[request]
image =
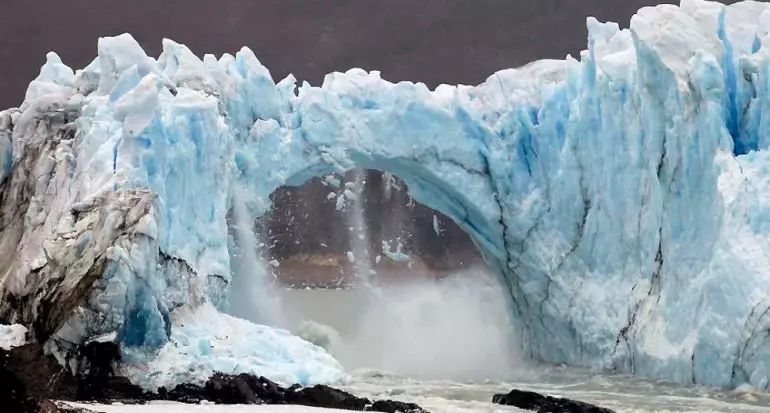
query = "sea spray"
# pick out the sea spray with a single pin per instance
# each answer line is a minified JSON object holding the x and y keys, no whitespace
{"x":456,"y":328}
{"x":253,"y":294}
{"x":359,"y":232}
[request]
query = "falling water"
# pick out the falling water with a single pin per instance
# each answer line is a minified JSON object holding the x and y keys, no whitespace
{"x":396,"y":199}
{"x":252,"y":290}
{"x":359,"y":234}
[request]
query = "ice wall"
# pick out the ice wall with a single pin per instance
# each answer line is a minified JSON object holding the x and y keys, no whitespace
{"x":621,"y":197}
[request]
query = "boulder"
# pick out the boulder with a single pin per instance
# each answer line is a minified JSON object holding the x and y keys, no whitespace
{"x":328,"y":397}
{"x":537,"y":402}
{"x":246,"y":389}
{"x":392,"y":406}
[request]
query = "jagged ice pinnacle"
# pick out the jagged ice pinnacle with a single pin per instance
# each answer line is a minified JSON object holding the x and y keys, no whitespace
{"x":623,"y":198}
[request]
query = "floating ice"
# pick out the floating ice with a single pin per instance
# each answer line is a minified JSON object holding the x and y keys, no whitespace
{"x":622,"y":198}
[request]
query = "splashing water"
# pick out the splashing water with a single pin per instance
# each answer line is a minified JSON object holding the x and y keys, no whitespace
{"x":253,"y":295}
{"x":445,"y":345}
{"x":455,"y":328}
{"x":359,"y":233}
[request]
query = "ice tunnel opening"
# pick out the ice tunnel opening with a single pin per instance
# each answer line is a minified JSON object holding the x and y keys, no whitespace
{"x":382,"y":281}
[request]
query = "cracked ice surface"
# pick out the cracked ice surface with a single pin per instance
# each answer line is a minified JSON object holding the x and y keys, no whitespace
{"x":621,"y":196}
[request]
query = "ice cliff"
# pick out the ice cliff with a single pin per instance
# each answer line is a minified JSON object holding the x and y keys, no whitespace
{"x":624,"y":198}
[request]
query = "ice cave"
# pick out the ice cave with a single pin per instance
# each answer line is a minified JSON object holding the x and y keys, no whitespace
{"x":620,"y":196}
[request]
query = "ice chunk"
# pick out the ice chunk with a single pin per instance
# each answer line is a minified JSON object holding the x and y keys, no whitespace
{"x":340,"y":204}
{"x":12,"y":336}
{"x":332,"y":180}
{"x":436,"y":228}
{"x":397,"y":255}
{"x":55,"y":78}
{"x":205,"y":341}
{"x":104,"y":338}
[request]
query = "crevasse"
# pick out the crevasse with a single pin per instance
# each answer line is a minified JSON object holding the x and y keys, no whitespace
{"x":623,"y":198}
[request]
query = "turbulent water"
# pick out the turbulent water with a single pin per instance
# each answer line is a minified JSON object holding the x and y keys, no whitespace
{"x":622,"y":393}
{"x":445,"y":345}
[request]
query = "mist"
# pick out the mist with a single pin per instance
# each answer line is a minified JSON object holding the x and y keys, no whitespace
{"x":456,"y":328}
{"x":252,"y":294}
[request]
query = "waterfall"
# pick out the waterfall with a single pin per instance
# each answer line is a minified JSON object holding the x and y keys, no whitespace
{"x":253,"y":295}
{"x":359,"y":233}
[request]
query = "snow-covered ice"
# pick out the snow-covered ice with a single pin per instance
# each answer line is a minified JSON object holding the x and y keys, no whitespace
{"x":205,"y":341}
{"x":620,"y":197}
{"x":12,"y":336}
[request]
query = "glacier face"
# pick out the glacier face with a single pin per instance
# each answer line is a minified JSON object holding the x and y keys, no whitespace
{"x":620,"y":197}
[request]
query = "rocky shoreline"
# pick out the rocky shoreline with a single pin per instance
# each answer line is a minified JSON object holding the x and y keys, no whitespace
{"x":539,"y":403}
{"x":33,"y":382}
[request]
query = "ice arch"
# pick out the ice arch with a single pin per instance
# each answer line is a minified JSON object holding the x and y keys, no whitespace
{"x":414,"y":140}
{"x":605,"y":191}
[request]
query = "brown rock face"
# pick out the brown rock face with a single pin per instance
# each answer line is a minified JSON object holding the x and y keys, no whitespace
{"x":309,"y":237}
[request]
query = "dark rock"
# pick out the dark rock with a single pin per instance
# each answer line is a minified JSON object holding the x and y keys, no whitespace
{"x":119,"y":389}
{"x":328,"y":397}
{"x":391,"y":406}
{"x":33,"y":378}
{"x":49,"y":406}
{"x":41,"y":376}
{"x":29,"y":380}
{"x":13,"y":392}
{"x":545,"y":404}
{"x":246,"y":389}
{"x":226,"y":389}
{"x":97,"y":380}
{"x":184,"y":393}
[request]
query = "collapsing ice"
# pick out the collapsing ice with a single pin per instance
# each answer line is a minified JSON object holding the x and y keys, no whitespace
{"x":621,"y":198}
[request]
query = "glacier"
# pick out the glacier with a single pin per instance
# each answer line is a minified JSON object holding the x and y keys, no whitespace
{"x":623,"y":198}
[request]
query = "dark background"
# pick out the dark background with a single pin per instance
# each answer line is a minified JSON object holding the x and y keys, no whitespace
{"x":433,"y":41}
